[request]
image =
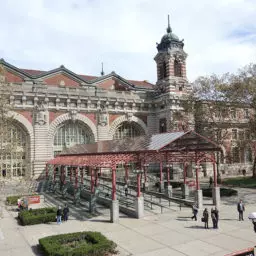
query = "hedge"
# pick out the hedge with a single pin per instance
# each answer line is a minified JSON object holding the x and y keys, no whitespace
{"x":76,"y":244}
{"x":12,"y":200}
{"x":223,"y":192}
{"x":37,"y":216}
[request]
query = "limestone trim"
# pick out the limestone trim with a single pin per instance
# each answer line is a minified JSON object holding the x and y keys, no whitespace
{"x":122,"y":119}
{"x":65,"y":117}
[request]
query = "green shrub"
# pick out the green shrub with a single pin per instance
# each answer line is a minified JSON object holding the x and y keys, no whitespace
{"x":37,"y":216}
{"x":246,"y":182}
{"x":76,"y":244}
{"x":12,"y":200}
{"x":174,"y":184}
{"x":223,"y":192}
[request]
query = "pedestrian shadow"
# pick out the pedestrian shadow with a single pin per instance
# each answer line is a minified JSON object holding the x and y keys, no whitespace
{"x":99,"y":220}
{"x":183,"y":218}
{"x":196,"y":227}
{"x":37,"y":250}
{"x":228,"y":219}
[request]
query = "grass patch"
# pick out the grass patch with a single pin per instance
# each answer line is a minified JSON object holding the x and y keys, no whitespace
{"x":76,"y":244}
{"x":223,"y":192}
{"x":245,"y":182}
{"x":37,"y":216}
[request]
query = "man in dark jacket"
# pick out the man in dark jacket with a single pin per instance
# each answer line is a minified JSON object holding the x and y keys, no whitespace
{"x":240,"y":209}
{"x":65,"y":212}
{"x":206,"y":218}
{"x":216,"y":212}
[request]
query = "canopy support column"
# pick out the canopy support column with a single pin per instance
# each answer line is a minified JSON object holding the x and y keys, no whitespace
{"x":114,"y":183}
{"x":114,"y":211}
{"x":82,"y":175}
{"x":92,"y":179}
{"x":76,"y":177}
{"x":96,"y":177}
{"x":71,"y":170}
{"x":138,"y":184}
{"x":169,"y":187}
{"x":161,"y":185}
{"x":54,"y":173}
{"x":46,"y":171}
{"x":185,"y":189}
{"x":145,"y":167}
{"x":126,"y":173}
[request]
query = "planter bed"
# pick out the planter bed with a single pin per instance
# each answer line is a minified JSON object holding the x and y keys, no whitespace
{"x":80,"y":243}
{"x":223,"y":192}
{"x":37,"y":216}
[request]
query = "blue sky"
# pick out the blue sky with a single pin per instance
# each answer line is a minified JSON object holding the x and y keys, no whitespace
{"x":220,"y":35}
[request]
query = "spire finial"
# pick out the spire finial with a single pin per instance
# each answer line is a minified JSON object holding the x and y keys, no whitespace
{"x":169,"y":30}
{"x":102,"y":71}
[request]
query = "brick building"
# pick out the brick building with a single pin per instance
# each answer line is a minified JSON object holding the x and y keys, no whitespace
{"x":58,"y":108}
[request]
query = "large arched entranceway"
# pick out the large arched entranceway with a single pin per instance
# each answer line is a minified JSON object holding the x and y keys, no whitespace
{"x":71,"y":133}
{"x":128,"y":130}
{"x":15,"y":155}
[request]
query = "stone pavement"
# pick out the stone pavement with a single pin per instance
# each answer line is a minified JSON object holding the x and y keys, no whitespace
{"x":171,"y":233}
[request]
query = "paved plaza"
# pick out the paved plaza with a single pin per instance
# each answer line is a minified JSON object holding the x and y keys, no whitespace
{"x":171,"y":233}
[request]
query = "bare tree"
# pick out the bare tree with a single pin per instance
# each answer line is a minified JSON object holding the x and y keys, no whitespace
{"x":9,"y":141}
{"x":214,"y":101}
{"x":242,"y":92}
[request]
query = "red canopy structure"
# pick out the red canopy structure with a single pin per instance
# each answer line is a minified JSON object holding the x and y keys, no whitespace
{"x":174,"y":147}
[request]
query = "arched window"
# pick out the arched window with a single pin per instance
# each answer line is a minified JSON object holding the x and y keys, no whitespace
{"x":14,"y":151}
{"x":162,"y":125}
{"x":127,"y":130}
{"x":70,"y":134}
{"x":177,"y":68}
{"x":248,"y":155}
{"x":235,"y":155}
{"x":163,"y":71}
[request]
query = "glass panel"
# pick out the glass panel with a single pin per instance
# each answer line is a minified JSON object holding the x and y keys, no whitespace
{"x":14,"y":145}
{"x":235,"y":155}
{"x":70,"y":134}
{"x":126,"y":130}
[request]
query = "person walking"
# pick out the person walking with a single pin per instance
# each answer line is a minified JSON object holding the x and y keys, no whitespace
{"x":195,"y":212}
{"x":65,"y":212}
{"x":59,"y":213}
{"x":210,"y":182}
{"x":126,"y":189}
{"x":214,"y":220}
{"x":240,"y":209}
{"x":216,"y":211}
{"x":254,"y":224}
{"x":206,"y":218}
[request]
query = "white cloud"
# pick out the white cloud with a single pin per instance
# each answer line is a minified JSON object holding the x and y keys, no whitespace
{"x":219,"y":35}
